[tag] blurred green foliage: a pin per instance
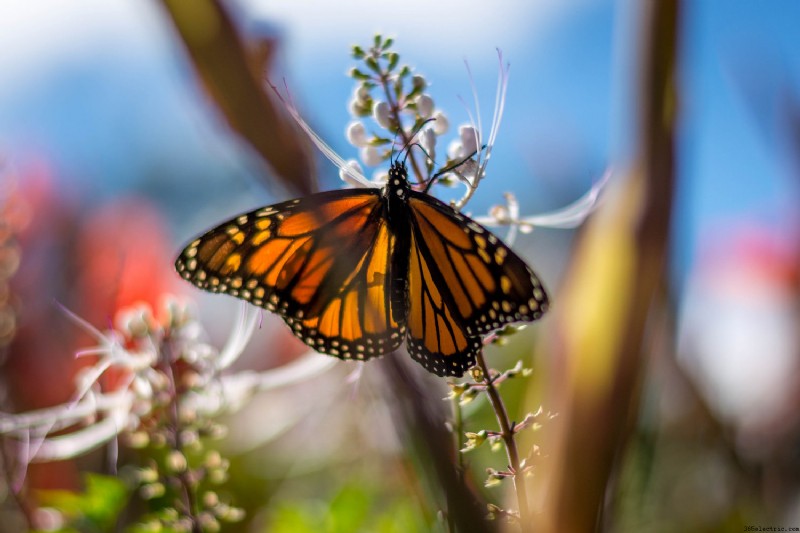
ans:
(95, 509)
(354, 508)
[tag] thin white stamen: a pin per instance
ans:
(321, 145)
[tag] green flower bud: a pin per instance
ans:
(152, 491)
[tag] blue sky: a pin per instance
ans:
(101, 91)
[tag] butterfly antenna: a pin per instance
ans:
(424, 151)
(449, 168)
(394, 143)
(409, 142)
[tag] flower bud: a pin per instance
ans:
(151, 491)
(176, 462)
(213, 459)
(137, 440)
(210, 499)
(147, 475)
(440, 123)
(361, 93)
(425, 106)
(356, 134)
(382, 113)
(234, 514)
(370, 156)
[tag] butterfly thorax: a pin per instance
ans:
(397, 187)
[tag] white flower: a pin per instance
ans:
(440, 123)
(425, 105)
(356, 134)
(454, 150)
(96, 415)
(570, 216)
(382, 114)
(469, 140)
(370, 156)
(466, 146)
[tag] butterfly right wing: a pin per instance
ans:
(463, 283)
(323, 263)
(436, 339)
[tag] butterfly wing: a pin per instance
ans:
(463, 282)
(323, 263)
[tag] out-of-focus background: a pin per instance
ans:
(113, 155)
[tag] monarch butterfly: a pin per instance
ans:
(355, 272)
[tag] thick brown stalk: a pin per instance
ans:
(599, 342)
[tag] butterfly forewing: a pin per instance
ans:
(323, 263)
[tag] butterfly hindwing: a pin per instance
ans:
(323, 263)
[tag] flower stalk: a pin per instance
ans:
(507, 433)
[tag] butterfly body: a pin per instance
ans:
(355, 273)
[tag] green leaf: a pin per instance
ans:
(379, 141)
(358, 75)
(97, 507)
(393, 59)
(372, 63)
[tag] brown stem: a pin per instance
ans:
(507, 434)
(187, 491)
(384, 79)
(458, 430)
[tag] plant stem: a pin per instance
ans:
(187, 491)
(384, 79)
(507, 434)
(458, 430)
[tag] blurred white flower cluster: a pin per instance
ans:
(392, 112)
(146, 362)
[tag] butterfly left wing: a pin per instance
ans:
(463, 282)
(323, 263)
